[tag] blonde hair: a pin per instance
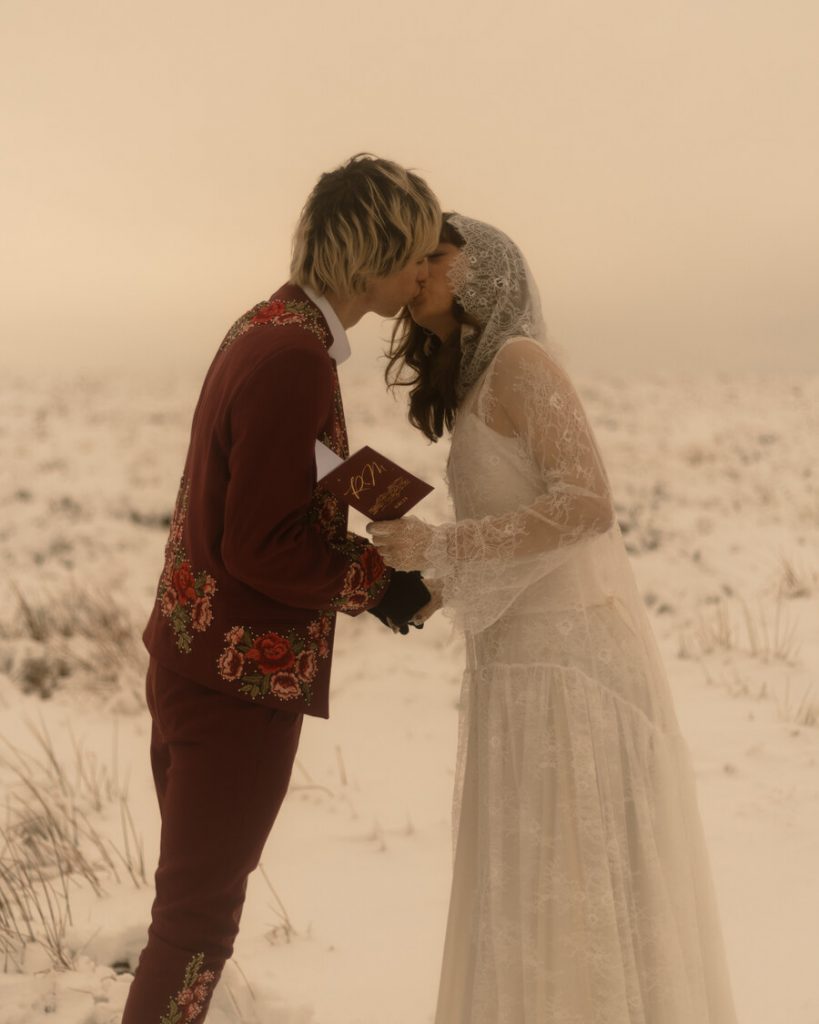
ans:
(367, 218)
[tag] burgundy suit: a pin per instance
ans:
(258, 560)
(257, 564)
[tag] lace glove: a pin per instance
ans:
(402, 543)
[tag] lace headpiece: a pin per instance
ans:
(493, 283)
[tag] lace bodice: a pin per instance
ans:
(488, 472)
(528, 488)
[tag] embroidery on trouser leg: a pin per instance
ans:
(189, 1001)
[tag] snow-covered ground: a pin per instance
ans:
(718, 496)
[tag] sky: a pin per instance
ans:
(656, 160)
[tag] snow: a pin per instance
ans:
(718, 496)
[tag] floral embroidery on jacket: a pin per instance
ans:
(283, 665)
(184, 596)
(281, 312)
(365, 579)
(189, 1002)
(327, 512)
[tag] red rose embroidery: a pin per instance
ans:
(184, 583)
(320, 627)
(189, 1002)
(185, 598)
(235, 635)
(358, 599)
(168, 602)
(178, 520)
(273, 664)
(272, 652)
(231, 664)
(307, 665)
(354, 579)
(355, 593)
(201, 614)
(372, 565)
(283, 312)
(273, 309)
(285, 686)
(328, 513)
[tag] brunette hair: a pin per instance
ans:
(429, 367)
(367, 218)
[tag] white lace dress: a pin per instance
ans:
(581, 892)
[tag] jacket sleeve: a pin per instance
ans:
(269, 543)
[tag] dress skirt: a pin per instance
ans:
(582, 891)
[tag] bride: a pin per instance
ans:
(581, 891)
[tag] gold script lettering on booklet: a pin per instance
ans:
(391, 496)
(363, 481)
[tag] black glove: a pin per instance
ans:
(405, 595)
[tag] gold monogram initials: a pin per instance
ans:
(365, 480)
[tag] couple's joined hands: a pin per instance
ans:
(402, 543)
(435, 589)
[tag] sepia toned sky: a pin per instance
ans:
(657, 160)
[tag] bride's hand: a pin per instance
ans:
(403, 543)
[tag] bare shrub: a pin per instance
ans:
(736, 684)
(716, 631)
(769, 634)
(49, 845)
(772, 635)
(76, 630)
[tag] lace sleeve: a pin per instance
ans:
(486, 563)
(528, 396)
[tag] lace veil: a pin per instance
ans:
(492, 281)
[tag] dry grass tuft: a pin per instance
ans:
(49, 844)
(70, 632)
(802, 708)
(769, 634)
(796, 581)
(283, 930)
(733, 640)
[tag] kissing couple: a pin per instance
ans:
(581, 889)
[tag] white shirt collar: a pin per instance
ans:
(340, 349)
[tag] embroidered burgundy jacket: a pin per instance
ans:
(259, 559)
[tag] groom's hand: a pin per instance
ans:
(435, 603)
(404, 597)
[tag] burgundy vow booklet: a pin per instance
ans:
(374, 485)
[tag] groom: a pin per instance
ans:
(257, 564)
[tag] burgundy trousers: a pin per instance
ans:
(221, 767)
